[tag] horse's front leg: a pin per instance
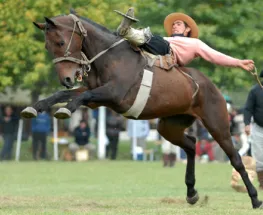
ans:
(45, 104)
(102, 94)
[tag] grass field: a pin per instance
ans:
(117, 188)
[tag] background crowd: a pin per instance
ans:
(246, 128)
(33, 71)
(207, 149)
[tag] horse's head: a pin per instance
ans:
(67, 40)
(63, 40)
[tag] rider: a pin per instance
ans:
(182, 43)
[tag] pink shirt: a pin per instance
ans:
(186, 49)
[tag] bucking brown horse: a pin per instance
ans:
(115, 76)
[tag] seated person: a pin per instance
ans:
(236, 180)
(204, 146)
(169, 153)
(82, 135)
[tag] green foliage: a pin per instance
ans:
(232, 27)
(23, 59)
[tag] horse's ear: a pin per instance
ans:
(72, 11)
(41, 26)
(49, 21)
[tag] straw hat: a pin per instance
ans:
(171, 18)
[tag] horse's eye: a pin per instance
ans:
(61, 43)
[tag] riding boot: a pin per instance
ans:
(127, 21)
(134, 36)
(165, 160)
(260, 179)
(172, 159)
(138, 37)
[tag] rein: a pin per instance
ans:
(84, 61)
(255, 74)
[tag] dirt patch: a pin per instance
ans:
(172, 201)
(89, 204)
(204, 201)
(9, 200)
(86, 207)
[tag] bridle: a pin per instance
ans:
(84, 61)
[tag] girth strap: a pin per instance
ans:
(142, 96)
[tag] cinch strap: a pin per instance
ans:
(142, 95)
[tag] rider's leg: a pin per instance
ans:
(135, 36)
(126, 22)
(138, 37)
(142, 38)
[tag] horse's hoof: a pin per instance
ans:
(28, 113)
(63, 113)
(192, 200)
(260, 206)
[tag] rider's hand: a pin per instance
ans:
(247, 65)
(247, 129)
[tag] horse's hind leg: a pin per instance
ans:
(172, 129)
(215, 119)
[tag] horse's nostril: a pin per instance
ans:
(67, 80)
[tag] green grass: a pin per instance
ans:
(115, 188)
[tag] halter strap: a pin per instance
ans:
(84, 61)
(81, 27)
(72, 59)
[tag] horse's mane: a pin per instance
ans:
(102, 28)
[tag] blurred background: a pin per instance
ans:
(27, 75)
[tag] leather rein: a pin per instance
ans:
(84, 61)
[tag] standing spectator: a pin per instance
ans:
(238, 132)
(8, 123)
(95, 117)
(41, 126)
(254, 108)
(113, 128)
(169, 153)
(82, 135)
(138, 129)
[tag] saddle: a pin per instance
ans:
(165, 62)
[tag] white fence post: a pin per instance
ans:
(19, 139)
(55, 135)
(101, 152)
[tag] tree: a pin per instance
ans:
(23, 59)
(232, 27)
